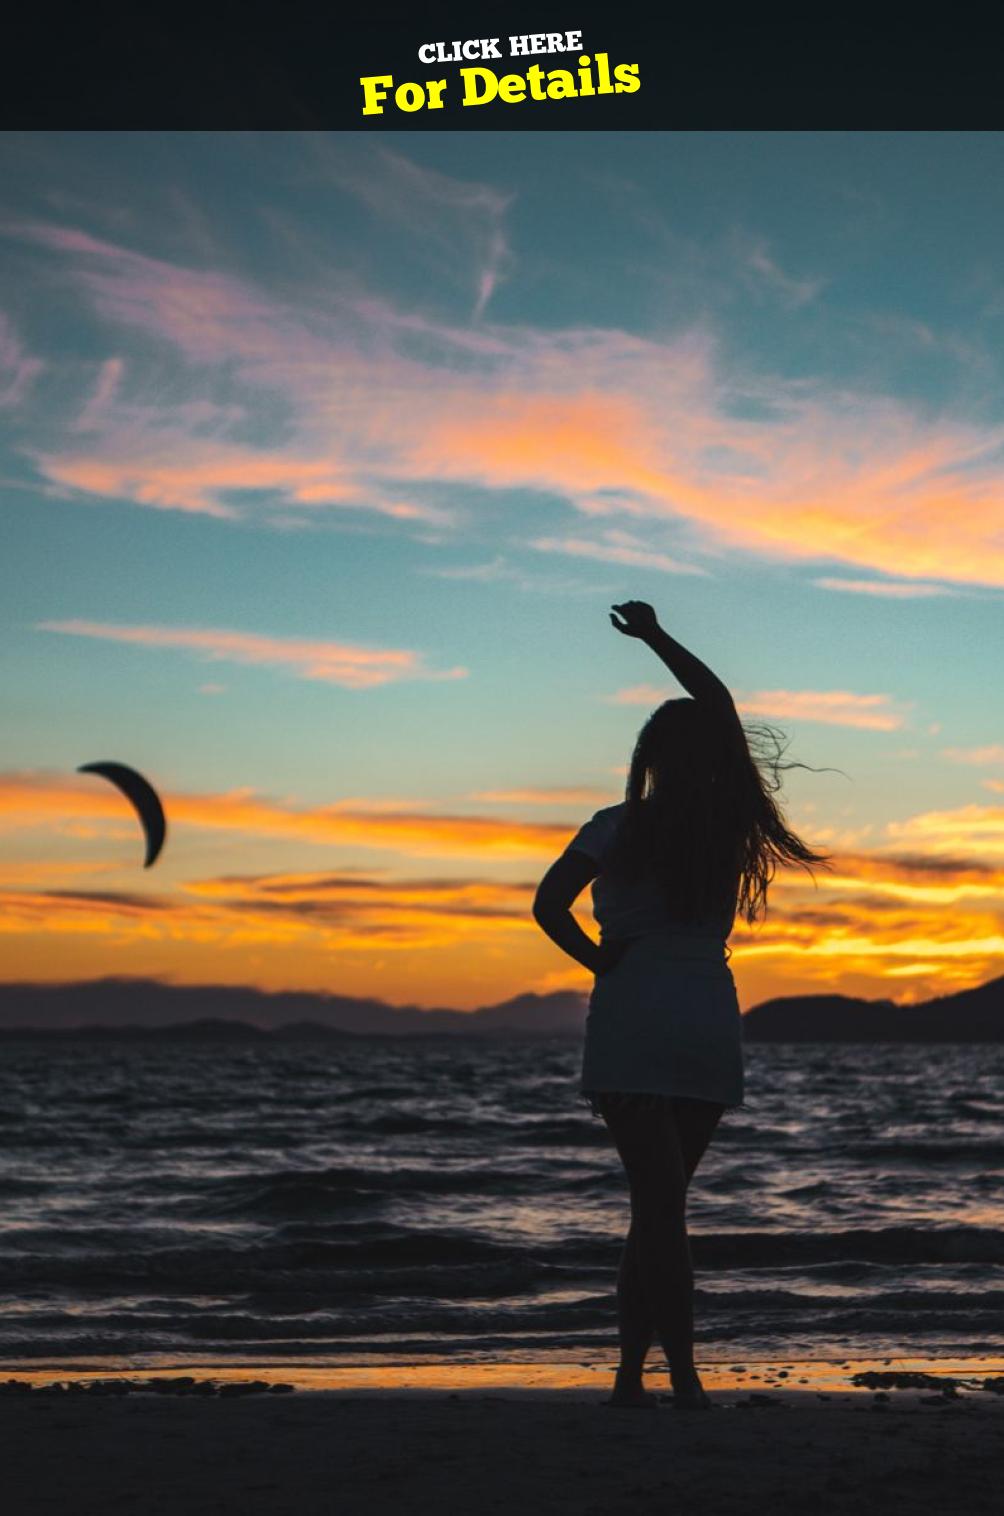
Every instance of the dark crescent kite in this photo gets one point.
(143, 796)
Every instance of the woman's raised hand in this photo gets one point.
(639, 619)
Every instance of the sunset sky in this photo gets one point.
(325, 455)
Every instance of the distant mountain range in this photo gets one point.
(145, 1009)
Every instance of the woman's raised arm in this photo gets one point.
(639, 620)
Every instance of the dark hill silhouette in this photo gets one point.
(128, 1003)
(147, 1008)
(975, 1015)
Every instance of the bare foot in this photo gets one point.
(629, 1392)
(689, 1394)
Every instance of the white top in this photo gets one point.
(629, 908)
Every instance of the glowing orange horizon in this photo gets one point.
(875, 923)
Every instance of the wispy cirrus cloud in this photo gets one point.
(831, 707)
(498, 570)
(763, 272)
(17, 368)
(615, 547)
(346, 664)
(109, 377)
(461, 222)
(206, 313)
(373, 398)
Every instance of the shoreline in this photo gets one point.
(504, 1437)
(804, 1377)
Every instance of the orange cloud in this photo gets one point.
(32, 800)
(554, 795)
(826, 477)
(976, 828)
(914, 878)
(351, 911)
(193, 481)
(877, 918)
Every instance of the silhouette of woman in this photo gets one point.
(694, 842)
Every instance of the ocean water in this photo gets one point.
(406, 1200)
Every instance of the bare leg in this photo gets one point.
(696, 1121)
(660, 1146)
(635, 1324)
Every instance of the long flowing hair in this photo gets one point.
(701, 814)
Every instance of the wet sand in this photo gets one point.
(500, 1445)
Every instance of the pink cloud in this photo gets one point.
(157, 472)
(832, 707)
(333, 662)
(902, 590)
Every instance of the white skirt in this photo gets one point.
(666, 1021)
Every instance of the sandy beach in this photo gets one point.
(503, 1441)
